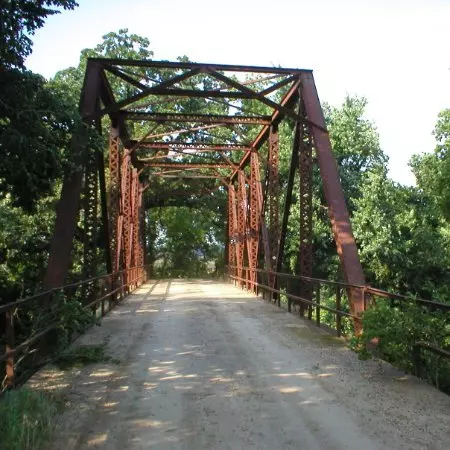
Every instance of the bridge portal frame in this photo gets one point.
(253, 204)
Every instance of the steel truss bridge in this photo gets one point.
(154, 134)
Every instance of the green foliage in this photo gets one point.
(187, 238)
(19, 19)
(24, 239)
(432, 170)
(84, 355)
(35, 129)
(71, 319)
(402, 241)
(357, 150)
(27, 419)
(397, 327)
(356, 145)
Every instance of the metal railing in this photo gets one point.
(288, 289)
(41, 314)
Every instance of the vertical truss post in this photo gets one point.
(114, 196)
(104, 208)
(141, 235)
(125, 222)
(241, 224)
(90, 208)
(232, 226)
(334, 195)
(288, 200)
(135, 223)
(273, 194)
(287, 203)
(304, 260)
(255, 216)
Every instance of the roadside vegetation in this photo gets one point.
(403, 232)
(27, 419)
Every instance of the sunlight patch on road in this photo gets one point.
(290, 390)
(102, 373)
(98, 440)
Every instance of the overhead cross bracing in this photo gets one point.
(214, 127)
(157, 95)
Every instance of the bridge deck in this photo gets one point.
(204, 366)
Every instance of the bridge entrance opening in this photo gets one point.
(181, 127)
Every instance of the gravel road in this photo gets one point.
(204, 366)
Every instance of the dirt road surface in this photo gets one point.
(203, 365)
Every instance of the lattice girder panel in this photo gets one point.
(90, 210)
(255, 216)
(232, 226)
(115, 156)
(273, 191)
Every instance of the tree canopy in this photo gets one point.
(19, 19)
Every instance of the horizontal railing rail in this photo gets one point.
(275, 285)
(98, 294)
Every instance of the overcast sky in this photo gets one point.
(396, 53)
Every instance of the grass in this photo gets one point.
(27, 419)
(83, 355)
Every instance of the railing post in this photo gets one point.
(10, 343)
(338, 309)
(318, 305)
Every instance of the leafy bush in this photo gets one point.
(83, 355)
(398, 327)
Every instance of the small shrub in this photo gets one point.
(84, 355)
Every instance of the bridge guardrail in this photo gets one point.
(274, 287)
(98, 294)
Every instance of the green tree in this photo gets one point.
(35, 127)
(403, 243)
(357, 150)
(19, 19)
(432, 170)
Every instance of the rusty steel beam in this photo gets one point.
(203, 118)
(192, 145)
(125, 191)
(288, 101)
(66, 218)
(161, 91)
(188, 165)
(273, 192)
(90, 91)
(199, 66)
(241, 222)
(255, 216)
(334, 195)
(278, 85)
(246, 92)
(305, 252)
(200, 177)
(161, 86)
(231, 226)
(69, 202)
(125, 77)
(114, 194)
(288, 199)
(90, 207)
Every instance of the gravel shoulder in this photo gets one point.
(205, 366)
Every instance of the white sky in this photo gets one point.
(396, 53)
